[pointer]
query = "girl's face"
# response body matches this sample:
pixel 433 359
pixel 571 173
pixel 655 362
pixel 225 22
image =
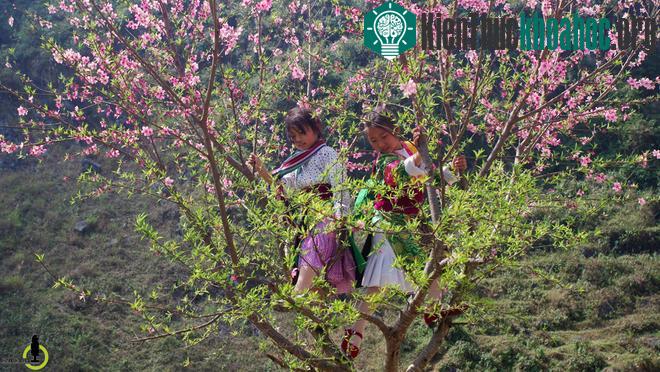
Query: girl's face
pixel 302 141
pixel 382 140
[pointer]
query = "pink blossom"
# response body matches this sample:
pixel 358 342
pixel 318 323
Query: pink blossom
pixel 303 102
pixel 546 8
pixel 645 83
pixel 409 88
pixel 585 160
pixel 459 73
pixel 474 5
pixel 37 150
pixel 616 187
pixel 229 36
pixel 641 201
pixel 7 147
pixel 263 6
pixel 534 99
pixel 293 7
pixel 11 21
pixel 90 150
pixel 610 115
pixel 168 182
pixel 656 154
pixel 600 178
pixel 147 132
pixel 297 73
pixel 322 72
pixel 579 192
pixel 22 111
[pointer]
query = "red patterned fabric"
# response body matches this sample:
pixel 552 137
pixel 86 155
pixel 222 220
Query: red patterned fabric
pixel 323 190
pixel 410 196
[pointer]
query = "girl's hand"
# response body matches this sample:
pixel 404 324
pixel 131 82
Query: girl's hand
pixel 417 158
pixel 258 166
pixel 279 192
pixel 419 135
pixel 255 163
pixel 460 164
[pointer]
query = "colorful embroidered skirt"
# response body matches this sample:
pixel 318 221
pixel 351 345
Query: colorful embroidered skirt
pixel 320 249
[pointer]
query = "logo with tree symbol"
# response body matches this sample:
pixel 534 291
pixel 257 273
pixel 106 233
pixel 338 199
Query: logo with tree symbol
pixel 389 30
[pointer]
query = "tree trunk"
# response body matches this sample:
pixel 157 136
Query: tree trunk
pixel 431 348
pixel 393 352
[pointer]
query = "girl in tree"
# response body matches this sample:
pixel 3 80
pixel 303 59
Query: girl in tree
pixel 398 167
pixel 314 167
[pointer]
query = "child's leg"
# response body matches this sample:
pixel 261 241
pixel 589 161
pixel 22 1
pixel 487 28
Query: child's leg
pixel 305 278
pixel 361 324
pixel 435 294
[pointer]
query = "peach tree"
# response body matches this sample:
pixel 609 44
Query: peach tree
pixel 176 95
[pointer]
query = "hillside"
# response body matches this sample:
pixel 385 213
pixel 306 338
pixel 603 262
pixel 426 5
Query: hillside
pixel 598 310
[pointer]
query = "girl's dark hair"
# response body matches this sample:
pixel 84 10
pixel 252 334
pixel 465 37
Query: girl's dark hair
pixel 381 118
pixel 303 120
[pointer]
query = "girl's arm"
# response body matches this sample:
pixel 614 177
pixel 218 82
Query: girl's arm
pixel 414 167
pixel 259 167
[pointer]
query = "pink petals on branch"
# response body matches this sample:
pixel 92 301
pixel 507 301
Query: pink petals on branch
pixel 37 150
pixel 409 88
pixel 263 6
pixel 610 115
pixel 147 132
pixel 480 6
pixel 297 73
pixel 229 36
pixel 645 83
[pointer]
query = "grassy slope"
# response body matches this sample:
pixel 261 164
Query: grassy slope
pixel 608 317
pixel 37 218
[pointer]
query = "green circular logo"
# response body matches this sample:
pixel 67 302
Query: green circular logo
pixel 40 366
pixel 389 30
